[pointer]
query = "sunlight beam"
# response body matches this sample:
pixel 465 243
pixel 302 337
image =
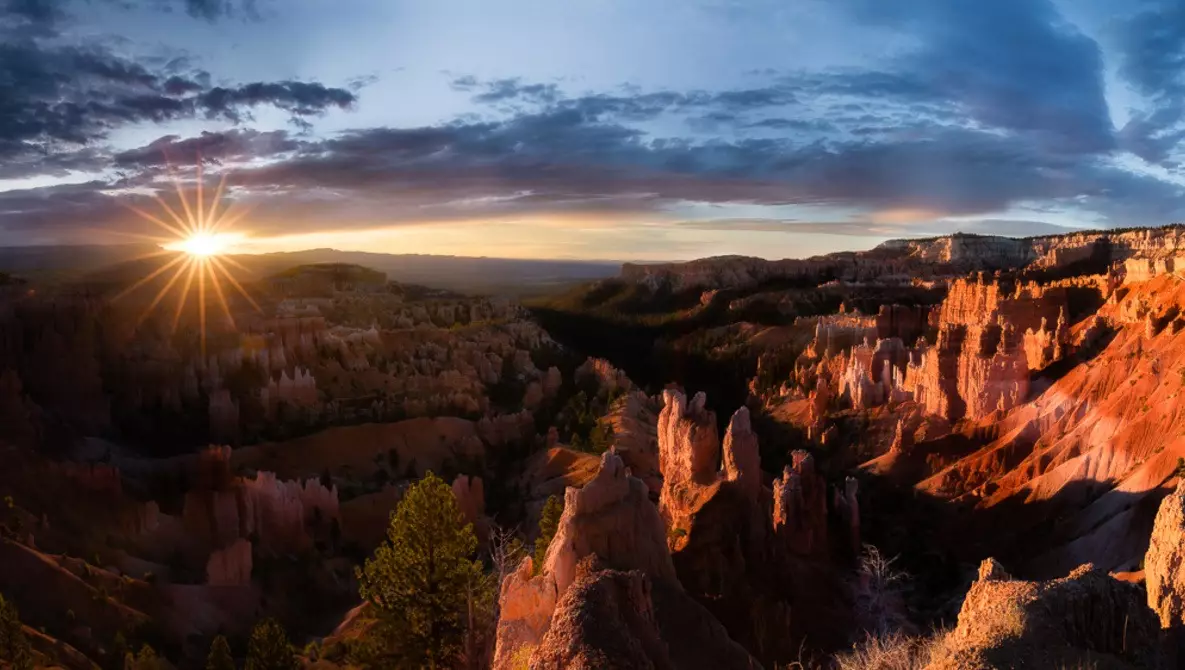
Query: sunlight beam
pixel 234 282
pixel 149 278
pixel 184 297
pixel 160 295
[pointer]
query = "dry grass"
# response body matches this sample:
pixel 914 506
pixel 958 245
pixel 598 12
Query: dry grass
pixel 894 651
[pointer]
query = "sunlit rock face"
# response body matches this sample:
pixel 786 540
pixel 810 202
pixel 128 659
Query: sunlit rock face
pixel 1057 623
pixel 688 450
pixel 608 589
pixel 1164 564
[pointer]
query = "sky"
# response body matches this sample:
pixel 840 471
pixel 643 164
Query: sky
pixel 588 129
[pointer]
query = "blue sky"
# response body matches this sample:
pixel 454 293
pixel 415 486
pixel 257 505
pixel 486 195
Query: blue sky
pixel 614 129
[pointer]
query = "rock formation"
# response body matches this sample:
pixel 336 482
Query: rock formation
pixel 742 458
pixel 688 451
pixel 1164 564
pixel 278 513
pixel 613 520
pixel 800 507
pixel 230 566
pixel 1085 616
pixel 604 620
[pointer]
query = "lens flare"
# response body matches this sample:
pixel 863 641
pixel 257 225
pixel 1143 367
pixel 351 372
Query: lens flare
pixel 206 244
pixel 200 243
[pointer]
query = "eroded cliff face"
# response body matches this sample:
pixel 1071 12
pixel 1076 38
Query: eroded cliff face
pixel 609 556
pixel 753 557
pixel 222 513
pixel 1154 251
pixel 1164 564
pixel 990 336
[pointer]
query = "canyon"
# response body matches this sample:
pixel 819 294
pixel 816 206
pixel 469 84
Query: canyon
pixel 968 447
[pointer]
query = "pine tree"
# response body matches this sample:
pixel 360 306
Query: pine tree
pixel 117 653
pixel 269 648
pixel 14 646
pixel 146 659
pixel 549 523
pixel 219 657
pixel 423 582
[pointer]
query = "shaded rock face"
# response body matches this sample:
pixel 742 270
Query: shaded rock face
pixel 605 620
pixel 230 566
pixel 754 560
pixel 1164 564
pixel 1086 616
pixel 742 458
pixel 278 513
pixel 634 419
pixel 800 507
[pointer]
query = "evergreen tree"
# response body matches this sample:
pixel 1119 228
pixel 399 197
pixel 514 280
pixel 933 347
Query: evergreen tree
pixel 549 523
pixel 269 648
pixel 423 582
pixel 219 657
pixel 146 659
pixel 117 654
pixel 14 646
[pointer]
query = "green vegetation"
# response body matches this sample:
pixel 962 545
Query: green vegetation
pixel 146 659
pixel 14 645
pixel 423 583
pixel 269 648
pixel 549 523
pixel 219 657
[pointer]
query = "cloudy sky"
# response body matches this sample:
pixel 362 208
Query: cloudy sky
pixel 614 129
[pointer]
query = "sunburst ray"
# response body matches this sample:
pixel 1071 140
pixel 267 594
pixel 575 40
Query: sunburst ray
pixel 202 236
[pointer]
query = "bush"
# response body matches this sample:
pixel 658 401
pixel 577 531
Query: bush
pixel 894 651
pixel 15 650
pixel 269 648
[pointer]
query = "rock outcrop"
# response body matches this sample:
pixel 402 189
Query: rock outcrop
pixel 800 507
pixel 742 458
pixel 279 514
pixel 545 623
pixel 1087 616
pixel 604 620
pixel 1164 564
pixel 688 451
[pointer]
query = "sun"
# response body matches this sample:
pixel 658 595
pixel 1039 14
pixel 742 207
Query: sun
pixel 200 231
pixel 203 244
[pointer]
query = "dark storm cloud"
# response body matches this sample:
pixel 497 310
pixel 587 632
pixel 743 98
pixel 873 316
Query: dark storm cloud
pixel 990 105
pixel 215 9
pixel 633 105
pixel 62 98
pixel 560 160
pixel 1011 64
pixel 1151 44
pixel 216 148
